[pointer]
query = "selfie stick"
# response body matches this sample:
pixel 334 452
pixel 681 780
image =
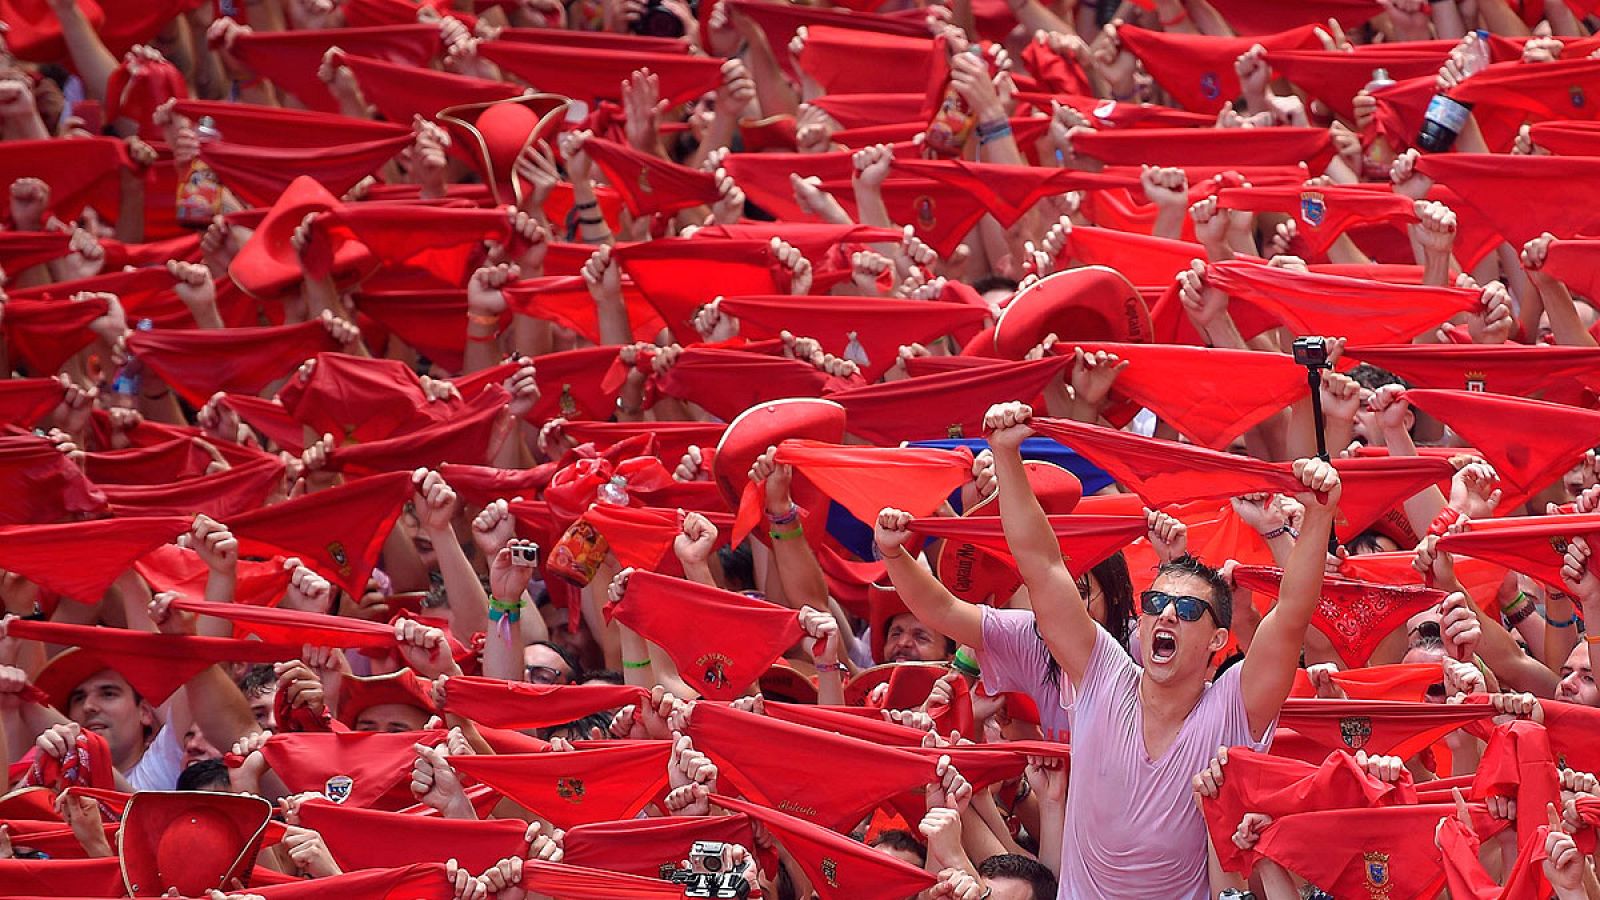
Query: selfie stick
pixel 1314 384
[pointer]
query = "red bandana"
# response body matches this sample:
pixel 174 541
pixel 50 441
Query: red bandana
pixel 1197 70
pixel 57 489
pixel 365 769
pixel 80 172
pixel 600 783
pixel 1529 442
pixel 515 704
pixel 720 641
pixel 401 91
pixel 779 764
pixel 1399 729
pixel 220 496
pixel 1537 371
pixel 290 59
pixel 1355 615
pixel 370 839
pixel 468 438
pixel 179 569
pixel 260 174
pixel 199 362
pixel 592 75
pixel 1532 545
pixel 1404 682
pixel 1324 213
pixel 339 532
pixel 563 880
pixel 650 847
pixel 46 333
pixel 833 57
pixel 673 273
pixel 642 538
pixel 865 480
pixel 650 184
pixel 839 868
pixel 728 382
pixel 1086 541
pixel 53 557
pixel 565 300
pixel 1523 196
pixel 946 405
pixel 1335 78
pixel 778 22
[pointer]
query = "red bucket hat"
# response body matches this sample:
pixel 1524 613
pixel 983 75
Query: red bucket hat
pixel 1091 303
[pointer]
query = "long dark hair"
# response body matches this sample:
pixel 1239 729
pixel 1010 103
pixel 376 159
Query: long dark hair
pixel 1117 584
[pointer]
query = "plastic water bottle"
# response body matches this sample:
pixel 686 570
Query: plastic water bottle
pixel 131 375
pixel 1380 80
pixel 614 492
pixel 1446 116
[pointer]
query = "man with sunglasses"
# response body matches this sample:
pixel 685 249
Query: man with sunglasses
pixel 1140 734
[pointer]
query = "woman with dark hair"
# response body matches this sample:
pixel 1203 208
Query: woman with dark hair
pixel 1012 656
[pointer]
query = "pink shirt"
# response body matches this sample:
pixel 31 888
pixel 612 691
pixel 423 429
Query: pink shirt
pixel 1132 828
pixel 1014 658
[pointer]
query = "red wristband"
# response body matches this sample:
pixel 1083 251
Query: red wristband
pixel 1442 522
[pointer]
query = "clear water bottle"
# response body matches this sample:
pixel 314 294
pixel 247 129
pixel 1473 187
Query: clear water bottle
pixel 131 375
pixel 1380 80
pixel 1446 116
pixel 614 492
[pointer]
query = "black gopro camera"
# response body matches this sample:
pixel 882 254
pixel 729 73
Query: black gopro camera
pixel 1311 352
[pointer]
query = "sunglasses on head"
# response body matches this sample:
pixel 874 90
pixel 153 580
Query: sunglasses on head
pixel 1187 608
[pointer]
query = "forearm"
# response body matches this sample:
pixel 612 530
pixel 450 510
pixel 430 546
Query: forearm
pixel 1448 24
pixel 217 706
pixel 932 603
pixel 870 209
pixel 1562 312
pixel 90 58
pixel 1274 655
pixel 1558 642
pixel 469 609
pixel 482 347
pixel 502 648
pixel 635 651
pixel 1052 820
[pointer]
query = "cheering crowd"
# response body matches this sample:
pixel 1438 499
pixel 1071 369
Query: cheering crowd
pixel 936 449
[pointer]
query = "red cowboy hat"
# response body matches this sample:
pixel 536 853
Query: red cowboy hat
pixel 766 425
pixel 268 265
pixel 65 671
pixel 978 575
pixel 907 674
pixel 193 841
pixel 358 694
pixel 496 132
pixel 782 682
pixel 1091 303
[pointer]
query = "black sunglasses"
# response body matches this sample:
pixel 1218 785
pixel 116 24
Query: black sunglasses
pixel 1188 608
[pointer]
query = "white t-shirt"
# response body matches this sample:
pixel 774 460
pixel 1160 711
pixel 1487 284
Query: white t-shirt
pixel 162 763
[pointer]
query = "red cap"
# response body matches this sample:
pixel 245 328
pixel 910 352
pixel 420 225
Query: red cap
pixel 193 841
pixel 1091 303
pixel 498 131
pixel 767 425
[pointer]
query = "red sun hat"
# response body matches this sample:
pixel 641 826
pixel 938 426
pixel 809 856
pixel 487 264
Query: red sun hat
pixel 767 425
pixel 189 840
pixel 358 694
pixel 1091 303
pixel 498 131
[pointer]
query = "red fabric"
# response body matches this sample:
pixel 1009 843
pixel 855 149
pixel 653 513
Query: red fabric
pixel 1197 70
pixel 782 765
pixel 643 537
pixel 377 764
pixel 468 437
pixel 370 839
pixel 1577 264
pixel 81 172
pixel 1522 196
pixel 566 301
pixel 1340 850
pixel 1567 138
pixel 359 399
pixel 727 382
pixel 1465 876
pixel 21 250
pixel 444 243
pixel 650 184
pixel 163 462
pixel 1085 541
pixel 44 334
pixel 947 405
pixel 1335 78
pixel 61 877
pixel 24 401
pixel 1538 371
pixel 292 626
pixel 220 496
pixel 1359 309
pixel 1529 442
pixel 1571 728
pixel 1325 212
pixel 673 275
pixel 479 485
pixel 1481 579
pixel 1398 729
pixel 1555 90
pixel 1404 682
pixel 1011 191
pixel 516 704
pixel 719 660
pixel 197 363
pixel 1519 763
pixel 863 723
pixel 673 439
pixel 1258 783
pixel 593 75
pixel 1247 17
pixel 290 58
pixel 827 245
pixel 1167 472
pixel 865 480
pixel 34 31
pixel 1375 486
pixel 1532 545
pixel 867 331
pixel 1229 391
pixel 562 880
pixel 598 40
pixel 155 664
pixel 80 560
pixel 764 177
pixel 1354 615
pixel 87 764
pixel 401 91
pixel 57 489
pixel 173 568
pixel 428 320
pixel 833 58
pixel 613 780
pixel 338 532
pixel 260 174
pixel 862 110
pixel 778 23
pixel 648 847
pixel 1277 146
pixel 941 214
pixel 837 866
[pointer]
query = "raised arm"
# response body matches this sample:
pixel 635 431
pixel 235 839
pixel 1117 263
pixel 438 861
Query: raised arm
pixel 1063 618
pixel 928 599
pixel 1268 672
